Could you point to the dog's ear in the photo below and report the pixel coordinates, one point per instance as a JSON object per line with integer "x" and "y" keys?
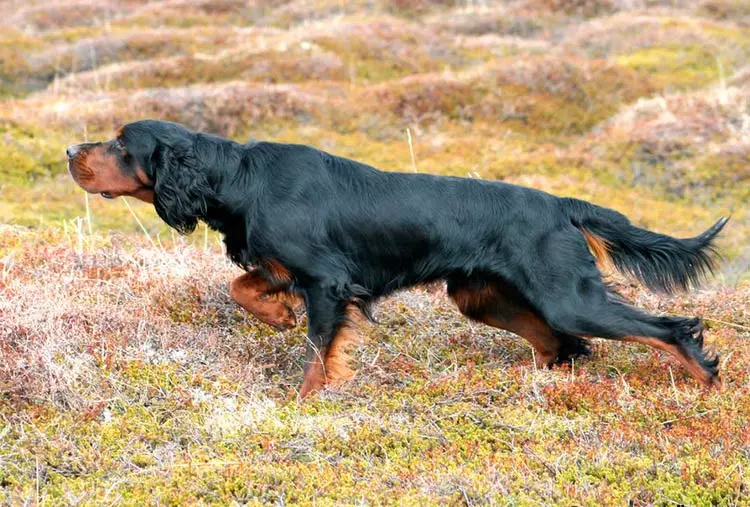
{"x": 180, "y": 189}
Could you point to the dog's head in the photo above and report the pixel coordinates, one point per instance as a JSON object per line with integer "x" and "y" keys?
{"x": 151, "y": 160}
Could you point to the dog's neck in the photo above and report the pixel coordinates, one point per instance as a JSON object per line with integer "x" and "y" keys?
{"x": 231, "y": 176}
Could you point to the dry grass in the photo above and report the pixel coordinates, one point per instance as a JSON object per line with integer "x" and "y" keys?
{"x": 223, "y": 109}
{"x": 53, "y": 15}
{"x": 140, "y": 377}
{"x": 292, "y": 65}
{"x": 498, "y": 20}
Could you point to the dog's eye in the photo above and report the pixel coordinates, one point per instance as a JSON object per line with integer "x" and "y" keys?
{"x": 119, "y": 144}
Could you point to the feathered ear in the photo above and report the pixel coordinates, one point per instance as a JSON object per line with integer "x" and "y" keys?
{"x": 180, "y": 189}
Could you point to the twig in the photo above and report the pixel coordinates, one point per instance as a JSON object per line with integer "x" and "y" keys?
{"x": 77, "y": 223}
{"x": 88, "y": 212}
{"x": 86, "y": 194}
{"x": 411, "y": 150}
{"x": 137, "y": 220}
{"x": 674, "y": 387}
{"x": 738, "y": 326}
{"x": 37, "y": 479}
{"x": 693, "y": 416}
{"x": 533, "y": 422}
{"x": 723, "y": 96}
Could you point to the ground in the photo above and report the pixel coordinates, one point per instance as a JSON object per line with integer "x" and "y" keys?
{"x": 128, "y": 376}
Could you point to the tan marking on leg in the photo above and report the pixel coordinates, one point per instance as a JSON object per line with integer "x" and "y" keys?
{"x": 481, "y": 305}
{"x": 255, "y": 293}
{"x": 338, "y": 356}
{"x": 534, "y": 330}
{"x": 689, "y": 362}
{"x": 332, "y": 365}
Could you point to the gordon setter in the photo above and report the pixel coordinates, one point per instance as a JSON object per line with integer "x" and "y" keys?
{"x": 310, "y": 227}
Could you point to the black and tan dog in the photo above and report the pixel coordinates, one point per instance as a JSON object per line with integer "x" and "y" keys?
{"x": 337, "y": 235}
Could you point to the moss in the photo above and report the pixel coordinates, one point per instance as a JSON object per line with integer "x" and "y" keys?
{"x": 676, "y": 67}
{"x": 366, "y": 64}
{"x": 16, "y": 77}
{"x": 719, "y": 176}
{"x": 677, "y": 170}
{"x": 70, "y": 35}
{"x": 222, "y": 13}
{"x": 52, "y": 203}
{"x": 441, "y": 440}
{"x": 379, "y": 50}
{"x": 30, "y": 153}
{"x": 417, "y": 7}
{"x": 493, "y": 22}
{"x": 188, "y": 308}
{"x": 562, "y": 101}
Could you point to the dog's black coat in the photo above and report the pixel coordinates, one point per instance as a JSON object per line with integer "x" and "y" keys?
{"x": 349, "y": 232}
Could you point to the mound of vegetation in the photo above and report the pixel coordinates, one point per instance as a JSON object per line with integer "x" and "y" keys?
{"x": 46, "y": 16}
{"x": 496, "y": 21}
{"x": 694, "y": 144}
{"x": 225, "y": 109}
{"x": 536, "y": 95}
{"x": 675, "y": 52}
{"x": 298, "y": 64}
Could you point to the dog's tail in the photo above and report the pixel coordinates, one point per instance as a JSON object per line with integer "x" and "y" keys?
{"x": 661, "y": 262}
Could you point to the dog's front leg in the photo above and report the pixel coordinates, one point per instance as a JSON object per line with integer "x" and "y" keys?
{"x": 331, "y": 334}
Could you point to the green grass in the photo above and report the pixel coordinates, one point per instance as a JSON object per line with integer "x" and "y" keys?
{"x": 676, "y": 67}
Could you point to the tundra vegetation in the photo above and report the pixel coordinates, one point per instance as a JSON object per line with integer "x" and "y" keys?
{"x": 127, "y": 375}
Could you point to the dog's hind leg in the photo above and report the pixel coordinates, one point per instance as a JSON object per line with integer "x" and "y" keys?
{"x": 682, "y": 337}
{"x": 568, "y": 293}
{"x": 498, "y": 304}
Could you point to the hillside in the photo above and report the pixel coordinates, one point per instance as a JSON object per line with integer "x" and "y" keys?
{"x": 127, "y": 375}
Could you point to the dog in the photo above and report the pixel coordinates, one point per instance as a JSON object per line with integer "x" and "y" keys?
{"x": 310, "y": 227}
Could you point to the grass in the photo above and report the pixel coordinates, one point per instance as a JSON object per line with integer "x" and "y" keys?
{"x": 675, "y": 66}
{"x": 142, "y": 380}
{"x": 31, "y": 153}
{"x": 128, "y": 376}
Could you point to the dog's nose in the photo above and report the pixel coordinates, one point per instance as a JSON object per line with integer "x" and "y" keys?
{"x": 72, "y": 151}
